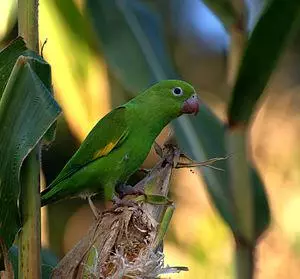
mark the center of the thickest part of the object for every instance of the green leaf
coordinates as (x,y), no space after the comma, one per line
(265,45)
(8,57)
(27,111)
(224,10)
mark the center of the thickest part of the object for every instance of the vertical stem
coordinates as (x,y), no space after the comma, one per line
(28,22)
(30,236)
(244,261)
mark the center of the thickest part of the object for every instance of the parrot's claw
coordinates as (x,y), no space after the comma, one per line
(126,190)
(121,202)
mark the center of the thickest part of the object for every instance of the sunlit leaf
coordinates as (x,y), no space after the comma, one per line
(8,17)
(79,74)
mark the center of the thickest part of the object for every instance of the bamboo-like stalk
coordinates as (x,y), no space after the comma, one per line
(28,22)
(30,236)
(244,258)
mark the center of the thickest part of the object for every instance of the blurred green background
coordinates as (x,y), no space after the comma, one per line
(178,38)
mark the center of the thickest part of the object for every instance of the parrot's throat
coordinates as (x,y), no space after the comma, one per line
(153,118)
(155,122)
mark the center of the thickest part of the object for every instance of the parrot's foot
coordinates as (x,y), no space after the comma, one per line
(93,207)
(121,202)
(126,190)
(146,171)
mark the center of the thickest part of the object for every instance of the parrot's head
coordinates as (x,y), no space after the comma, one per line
(175,96)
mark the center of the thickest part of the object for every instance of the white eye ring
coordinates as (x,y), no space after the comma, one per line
(177,91)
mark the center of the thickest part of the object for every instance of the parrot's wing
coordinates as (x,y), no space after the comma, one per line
(107,135)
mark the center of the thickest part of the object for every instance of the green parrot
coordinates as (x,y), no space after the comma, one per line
(119,143)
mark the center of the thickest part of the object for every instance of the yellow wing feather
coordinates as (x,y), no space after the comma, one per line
(108,134)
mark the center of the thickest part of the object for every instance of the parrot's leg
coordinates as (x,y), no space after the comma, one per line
(93,207)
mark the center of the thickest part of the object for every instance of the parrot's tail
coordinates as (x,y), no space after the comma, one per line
(48,196)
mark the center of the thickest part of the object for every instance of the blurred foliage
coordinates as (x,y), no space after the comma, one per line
(83,92)
(261,56)
(8,17)
(104,52)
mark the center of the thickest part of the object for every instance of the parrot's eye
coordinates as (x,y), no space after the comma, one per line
(177,91)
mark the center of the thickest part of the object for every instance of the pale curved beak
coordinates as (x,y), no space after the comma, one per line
(191,105)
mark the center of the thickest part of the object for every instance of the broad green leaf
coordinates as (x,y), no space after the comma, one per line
(27,111)
(224,10)
(265,45)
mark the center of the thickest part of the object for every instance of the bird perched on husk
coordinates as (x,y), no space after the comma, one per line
(119,143)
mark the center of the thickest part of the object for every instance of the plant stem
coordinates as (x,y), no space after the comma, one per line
(244,261)
(28,22)
(30,236)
